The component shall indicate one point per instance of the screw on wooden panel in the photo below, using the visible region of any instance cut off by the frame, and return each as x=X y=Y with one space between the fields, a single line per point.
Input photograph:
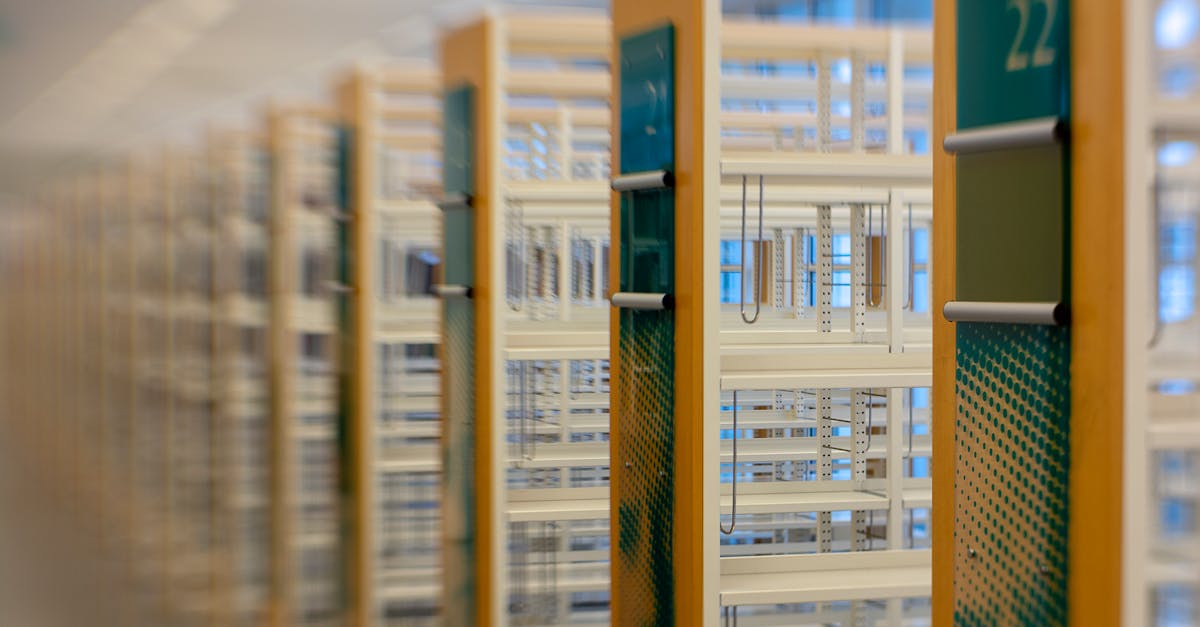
x=629 y=464
x=1044 y=569
x=971 y=553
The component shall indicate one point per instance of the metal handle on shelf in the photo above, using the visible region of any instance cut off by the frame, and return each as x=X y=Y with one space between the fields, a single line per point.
x=1023 y=134
x=452 y=291
x=758 y=274
x=908 y=455
x=642 y=301
x=1056 y=314
x=455 y=201
x=733 y=475
x=641 y=181
x=336 y=287
x=912 y=261
x=517 y=279
x=1155 y=231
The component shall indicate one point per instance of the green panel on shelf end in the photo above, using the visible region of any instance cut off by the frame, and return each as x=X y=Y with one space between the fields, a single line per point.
x=1013 y=61
x=1012 y=425
x=457 y=167
x=645 y=502
x=1013 y=455
x=347 y=490
x=460 y=605
x=1012 y=226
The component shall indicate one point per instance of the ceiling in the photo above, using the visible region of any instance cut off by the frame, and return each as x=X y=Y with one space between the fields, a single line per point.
x=88 y=79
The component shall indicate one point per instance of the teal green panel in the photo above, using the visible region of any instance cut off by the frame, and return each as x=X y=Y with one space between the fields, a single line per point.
x=1012 y=381
x=1011 y=474
x=645 y=503
x=648 y=101
x=1012 y=227
x=1013 y=61
x=458 y=462
x=1013 y=205
x=457 y=170
x=458 y=239
x=344 y=269
x=458 y=368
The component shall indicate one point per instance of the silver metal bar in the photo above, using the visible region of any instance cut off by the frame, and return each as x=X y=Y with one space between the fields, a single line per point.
x=758 y=269
x=824 y=414
x=908 y=455
x=733 y=470
x=335 y=287
x=912 y=261
x=638 y=181
x=1014 y=313
x=824 y=275
x=643 y=301
x=1156 y=214
x=455 y=201
x=452 y=291
x=1024 y=134
x=860 y=412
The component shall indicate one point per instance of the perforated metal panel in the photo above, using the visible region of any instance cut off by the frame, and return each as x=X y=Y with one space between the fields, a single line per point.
x=1010 y=512
x=645 y=392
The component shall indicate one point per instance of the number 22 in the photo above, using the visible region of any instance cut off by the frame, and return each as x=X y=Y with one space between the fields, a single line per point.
x=1042 y=55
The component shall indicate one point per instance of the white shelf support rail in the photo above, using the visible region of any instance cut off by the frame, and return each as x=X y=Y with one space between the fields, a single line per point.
x=858 y=462
x=895 y=485
x=824 y=269
x=564 y=266
x=824 y=104
x=778 y=269
x=824 y=411
x=895 y=273
x=858 y=102
x=895 y=85
x=858 y=283
x=800 y=282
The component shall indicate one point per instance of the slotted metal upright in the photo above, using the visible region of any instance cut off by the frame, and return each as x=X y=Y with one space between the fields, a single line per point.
x=526 y=132
x=748 y=434
x=389 y=169
x=1161 y=553
x=305 y=491
x=239 y=160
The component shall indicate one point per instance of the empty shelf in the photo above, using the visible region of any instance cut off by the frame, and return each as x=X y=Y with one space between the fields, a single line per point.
x=863 y=170
x=416 y=460
x=766 y=498
x=558 y=504
x=774 y=502
x=825 y=577
x=786 y=367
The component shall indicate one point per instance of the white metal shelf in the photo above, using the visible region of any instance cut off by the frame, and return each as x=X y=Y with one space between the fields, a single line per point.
x=845 y=169
x=825 y=577
x=590 y=454
x=561 y=504
x=789 y=369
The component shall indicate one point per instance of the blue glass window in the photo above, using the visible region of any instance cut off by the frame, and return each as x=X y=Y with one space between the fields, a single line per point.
x=921 y=292
x=921 y=245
